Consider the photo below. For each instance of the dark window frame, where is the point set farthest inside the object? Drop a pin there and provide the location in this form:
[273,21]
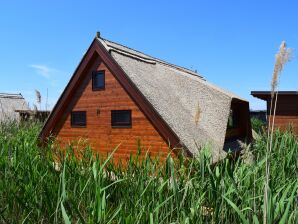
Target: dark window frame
[78,125]
[114,124]
[94,88]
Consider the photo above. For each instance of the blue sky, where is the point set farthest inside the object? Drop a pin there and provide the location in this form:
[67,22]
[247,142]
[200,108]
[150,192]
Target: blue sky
[230,43]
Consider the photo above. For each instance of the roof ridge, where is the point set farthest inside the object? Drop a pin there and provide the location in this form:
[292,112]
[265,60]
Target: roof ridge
[178,67]
[12,95]
[122,45]
[125,53]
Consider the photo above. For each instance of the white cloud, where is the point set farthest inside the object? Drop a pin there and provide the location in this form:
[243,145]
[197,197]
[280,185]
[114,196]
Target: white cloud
[43,70]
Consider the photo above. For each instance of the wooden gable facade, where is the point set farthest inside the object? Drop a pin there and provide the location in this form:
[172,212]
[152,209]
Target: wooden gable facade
[147,129]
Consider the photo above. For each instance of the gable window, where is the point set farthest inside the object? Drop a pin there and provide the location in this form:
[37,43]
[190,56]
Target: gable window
[78,119]
[98,80]
[121,118]
[232,120]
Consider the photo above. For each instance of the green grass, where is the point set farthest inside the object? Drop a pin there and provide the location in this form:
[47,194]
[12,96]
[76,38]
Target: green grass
[258,125]
[92,190]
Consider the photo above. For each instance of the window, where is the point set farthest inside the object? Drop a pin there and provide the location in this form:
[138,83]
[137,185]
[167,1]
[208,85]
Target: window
[232,121]
[98,80]
[78,119]
[121,118]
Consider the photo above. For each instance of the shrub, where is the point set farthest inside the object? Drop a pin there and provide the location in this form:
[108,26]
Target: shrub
[258,125]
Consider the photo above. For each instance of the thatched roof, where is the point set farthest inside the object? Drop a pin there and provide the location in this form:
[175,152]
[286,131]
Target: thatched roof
[9,104]
[196,110]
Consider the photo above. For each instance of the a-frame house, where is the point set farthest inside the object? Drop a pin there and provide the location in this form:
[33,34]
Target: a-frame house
[120,95]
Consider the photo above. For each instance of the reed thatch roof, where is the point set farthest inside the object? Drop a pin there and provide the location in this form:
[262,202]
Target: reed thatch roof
[10,104]
[196,110]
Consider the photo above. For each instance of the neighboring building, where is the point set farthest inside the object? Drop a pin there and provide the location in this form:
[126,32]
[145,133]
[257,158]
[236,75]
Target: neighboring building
[120,95]
[9,104]
[36,115]
[286,114]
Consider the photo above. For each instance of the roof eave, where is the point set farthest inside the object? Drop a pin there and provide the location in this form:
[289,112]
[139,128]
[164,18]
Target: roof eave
[263,95]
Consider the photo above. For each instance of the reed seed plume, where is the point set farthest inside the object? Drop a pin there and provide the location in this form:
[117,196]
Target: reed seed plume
[38,96]
[283,56]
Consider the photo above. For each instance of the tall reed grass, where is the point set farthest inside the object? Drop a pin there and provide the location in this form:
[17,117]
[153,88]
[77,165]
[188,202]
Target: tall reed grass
[283,56]
[92,190]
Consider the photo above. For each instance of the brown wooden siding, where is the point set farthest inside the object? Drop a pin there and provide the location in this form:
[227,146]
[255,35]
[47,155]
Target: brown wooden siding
[286,115]
[285,123]
[286,106]
[99,133]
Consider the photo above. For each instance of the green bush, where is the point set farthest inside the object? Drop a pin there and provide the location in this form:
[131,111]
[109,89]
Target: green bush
[91,190]
[258,125]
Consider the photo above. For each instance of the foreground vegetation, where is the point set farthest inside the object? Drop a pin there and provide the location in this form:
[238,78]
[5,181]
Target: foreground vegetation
[34,190]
